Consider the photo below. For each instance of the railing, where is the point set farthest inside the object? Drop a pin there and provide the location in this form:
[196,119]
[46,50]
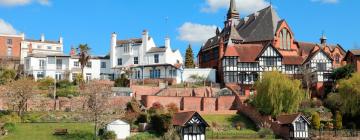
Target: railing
[335,133]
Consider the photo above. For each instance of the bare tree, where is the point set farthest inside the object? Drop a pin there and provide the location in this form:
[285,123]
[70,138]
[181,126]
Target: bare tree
[307,79]
[97,94]
[19,92]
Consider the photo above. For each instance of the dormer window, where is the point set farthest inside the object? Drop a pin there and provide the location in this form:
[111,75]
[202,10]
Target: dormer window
[285,39]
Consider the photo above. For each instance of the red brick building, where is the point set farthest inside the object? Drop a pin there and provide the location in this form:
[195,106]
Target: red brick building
[246,47]
[353,58]
[10,48]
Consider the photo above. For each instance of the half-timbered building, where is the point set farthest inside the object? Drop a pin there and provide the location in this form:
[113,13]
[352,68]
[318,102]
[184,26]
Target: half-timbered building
[190,125]
[260,42]
[297,126]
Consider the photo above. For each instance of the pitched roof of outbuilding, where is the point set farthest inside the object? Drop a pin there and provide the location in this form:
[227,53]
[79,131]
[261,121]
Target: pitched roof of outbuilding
[290,118]
[181,118]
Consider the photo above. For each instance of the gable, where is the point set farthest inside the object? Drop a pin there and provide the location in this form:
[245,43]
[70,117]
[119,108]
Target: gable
[270,51]
[196,119]
[301,119]
[321,56]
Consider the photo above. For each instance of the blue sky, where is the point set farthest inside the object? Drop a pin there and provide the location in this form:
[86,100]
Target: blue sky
[189,21]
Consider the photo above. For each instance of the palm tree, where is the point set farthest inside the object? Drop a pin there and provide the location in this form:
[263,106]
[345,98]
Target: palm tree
[84,58]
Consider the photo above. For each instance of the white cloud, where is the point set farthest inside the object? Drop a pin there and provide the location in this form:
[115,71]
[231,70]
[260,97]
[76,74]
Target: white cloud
[196,33]
[6,28]
[244,6]
[22,2]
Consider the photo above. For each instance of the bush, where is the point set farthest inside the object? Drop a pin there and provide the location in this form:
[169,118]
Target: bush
[143,118]
[143,136]
[338,120]
[156,108]
[162,123]
[69,92]
[109,135]
[64,84]
[10,127]
[122,81]
[265,133]
[315,120]
[10,118]
[45,83]
[171,134]
[172,108]
[32,118]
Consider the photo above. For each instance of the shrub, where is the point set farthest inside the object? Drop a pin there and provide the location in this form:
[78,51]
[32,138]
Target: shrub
[143,118]
[64,84]
[69,92]
[10,127]
[156,108]
[161,123]
[10,118]
[31,118]
[338,120]
[109,135]
[315,120]
[122,81]
[171,134]
[133,106]
[265,132]
[45,83]
[172,108]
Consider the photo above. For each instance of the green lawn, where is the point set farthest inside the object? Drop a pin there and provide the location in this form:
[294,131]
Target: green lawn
[44,131]
[230,120]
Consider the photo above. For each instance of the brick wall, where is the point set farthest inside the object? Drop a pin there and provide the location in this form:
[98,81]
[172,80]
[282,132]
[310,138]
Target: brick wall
[203,104]
[62,104]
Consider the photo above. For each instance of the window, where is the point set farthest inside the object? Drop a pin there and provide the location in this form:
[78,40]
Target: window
[155,73]
[172,72]
[76,63]
[119,61]
[137,74]
[27,63]
[300,126]
[73,77]
[40,75]
[156,58]
[288,68]
[58,48]
[285,39]
[136,60]
[9,41]
[88,77]
[49,47]
[58,76]
[270,62]
[89,64]
[337,59]
[58,64]
[42,64]
[103,65]
[9,51]
[126,48]
[321,66]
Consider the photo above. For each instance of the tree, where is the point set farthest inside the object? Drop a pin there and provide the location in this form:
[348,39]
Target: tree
[19,92]
[189,58]
[338,120]
[84,59]
[276,94]
[315,120]
[306,79]
[349,90]
[161,123]
[7,75]
[172,108]
[122,81]
[343,72]
[97,94]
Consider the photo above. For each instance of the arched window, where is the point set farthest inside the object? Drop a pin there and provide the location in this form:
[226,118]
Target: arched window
[281,40]
[285,39]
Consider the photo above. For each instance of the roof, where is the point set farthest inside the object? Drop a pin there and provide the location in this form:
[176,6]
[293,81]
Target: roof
[314,53]
[355,52]
[45,41]
[245,52]
[259,26]
[289,119]
[48,55]
[292,60]
[156,49]
[118,122]
[132,40]
[306,47]
[181,118]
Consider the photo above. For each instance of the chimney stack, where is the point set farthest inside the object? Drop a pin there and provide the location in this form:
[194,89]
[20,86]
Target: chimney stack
[42,39]
[61,40]
[167,42]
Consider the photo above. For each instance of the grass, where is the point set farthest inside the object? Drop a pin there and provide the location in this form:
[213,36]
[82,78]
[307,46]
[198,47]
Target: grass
[44,131]
[230,120]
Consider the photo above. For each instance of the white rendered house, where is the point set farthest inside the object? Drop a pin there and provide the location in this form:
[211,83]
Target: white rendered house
[144,58]
[61,67]
[42,46]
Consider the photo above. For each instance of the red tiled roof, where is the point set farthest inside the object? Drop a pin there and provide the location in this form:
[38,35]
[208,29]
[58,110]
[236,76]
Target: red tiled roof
[287,119]
[249,52]
[179,119]
[231,51]
[292,60]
